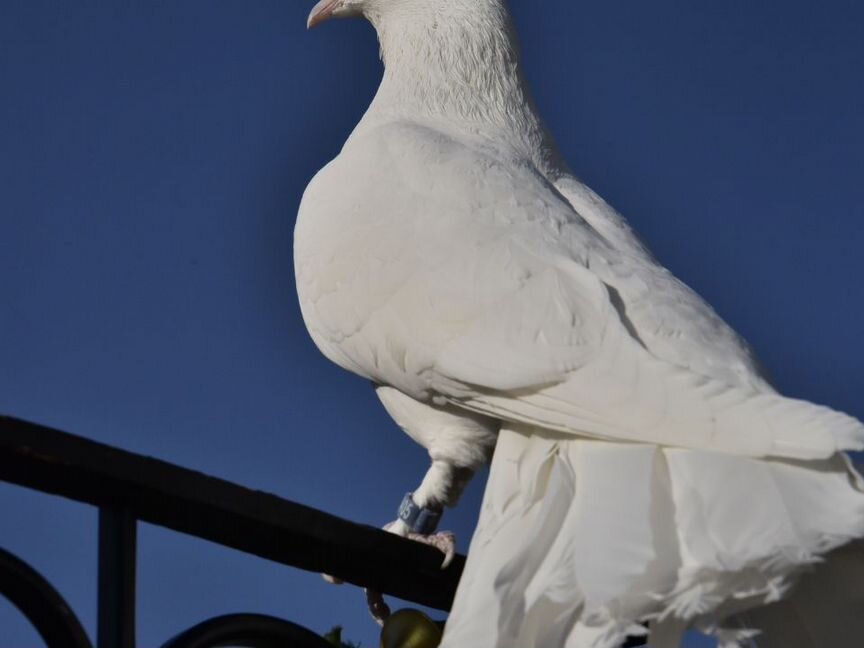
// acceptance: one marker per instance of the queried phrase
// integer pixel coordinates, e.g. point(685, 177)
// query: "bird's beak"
point(322, 11)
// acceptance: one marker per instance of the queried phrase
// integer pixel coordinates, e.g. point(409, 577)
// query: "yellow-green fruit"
point(410, 629)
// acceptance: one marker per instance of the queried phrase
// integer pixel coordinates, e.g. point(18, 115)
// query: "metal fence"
point(127, 487)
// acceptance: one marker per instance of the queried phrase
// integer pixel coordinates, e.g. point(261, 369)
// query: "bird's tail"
point(824, 610)
point(579, 540)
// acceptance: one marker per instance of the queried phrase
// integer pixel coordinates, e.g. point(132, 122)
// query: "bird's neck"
point(464, 75)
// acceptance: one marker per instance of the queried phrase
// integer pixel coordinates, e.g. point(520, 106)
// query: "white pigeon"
point(644, 468)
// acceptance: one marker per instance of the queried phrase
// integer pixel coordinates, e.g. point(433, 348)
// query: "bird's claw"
point(377, 607)
point(443, 541)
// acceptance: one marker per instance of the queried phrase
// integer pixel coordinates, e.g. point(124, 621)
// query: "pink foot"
point(443, 541)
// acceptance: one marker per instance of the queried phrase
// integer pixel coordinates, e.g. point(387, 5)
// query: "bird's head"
point(446, 59)
point(428, 31)
point(375, 10)
point(327, 9)
point(453, 61)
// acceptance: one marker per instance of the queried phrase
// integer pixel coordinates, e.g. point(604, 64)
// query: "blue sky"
point(152, 157)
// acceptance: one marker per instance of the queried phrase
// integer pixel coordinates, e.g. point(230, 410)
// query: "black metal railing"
point(127, 487)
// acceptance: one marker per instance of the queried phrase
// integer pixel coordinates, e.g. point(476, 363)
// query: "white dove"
point(644, 468)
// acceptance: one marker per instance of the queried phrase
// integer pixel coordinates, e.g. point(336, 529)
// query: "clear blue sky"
point(152, 157)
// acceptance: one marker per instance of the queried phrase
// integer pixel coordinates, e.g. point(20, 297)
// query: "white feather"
point(646, 469)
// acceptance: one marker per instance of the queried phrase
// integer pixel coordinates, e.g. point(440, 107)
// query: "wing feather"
point(480, 283)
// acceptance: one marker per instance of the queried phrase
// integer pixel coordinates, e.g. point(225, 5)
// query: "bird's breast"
point(356, 256)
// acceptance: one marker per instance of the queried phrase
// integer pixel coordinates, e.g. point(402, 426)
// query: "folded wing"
point(486, 287)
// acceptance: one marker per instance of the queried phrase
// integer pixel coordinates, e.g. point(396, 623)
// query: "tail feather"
point(579, 540)
point(824, 610)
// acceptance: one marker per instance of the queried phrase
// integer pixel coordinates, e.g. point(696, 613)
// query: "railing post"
point(117, 548)
point(190, 502)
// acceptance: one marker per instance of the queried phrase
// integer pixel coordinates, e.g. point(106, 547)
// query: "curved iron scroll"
point(43, 606)
point(249, 630)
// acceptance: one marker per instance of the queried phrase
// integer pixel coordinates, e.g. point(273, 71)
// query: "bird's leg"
point(418, 519)
point(459, 442)
point(421, 510)
point(441, 488)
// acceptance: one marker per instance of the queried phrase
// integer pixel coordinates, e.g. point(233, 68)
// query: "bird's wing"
point(583, 372)
point(672, 321)
point(496, 301)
